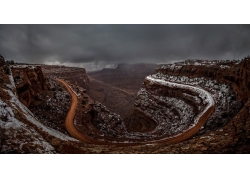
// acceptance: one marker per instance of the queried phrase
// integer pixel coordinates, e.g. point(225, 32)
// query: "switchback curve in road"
point(203, 116)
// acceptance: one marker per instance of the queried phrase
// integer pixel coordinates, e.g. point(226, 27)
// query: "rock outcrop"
point(2, 60)
point(74, 75)
point(29, 81)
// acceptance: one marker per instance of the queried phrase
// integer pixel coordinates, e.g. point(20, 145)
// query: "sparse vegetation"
point(67, 96)
point(17, 77)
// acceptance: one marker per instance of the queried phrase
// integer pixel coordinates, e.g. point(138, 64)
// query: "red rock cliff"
point(29, 81)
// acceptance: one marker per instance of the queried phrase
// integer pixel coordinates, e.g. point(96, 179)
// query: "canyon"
point(194, 106)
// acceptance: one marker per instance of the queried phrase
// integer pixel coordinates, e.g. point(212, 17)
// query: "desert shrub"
point(54, 95)
point(233, 97)
point(224, 115)
point(36, 97)
point(83, 102)
point(17, 77)
point(67, 96)
point(47, 107)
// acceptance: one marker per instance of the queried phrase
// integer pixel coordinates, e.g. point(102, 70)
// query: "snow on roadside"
point(78, 95)
point(30, 117)
point(202, 93)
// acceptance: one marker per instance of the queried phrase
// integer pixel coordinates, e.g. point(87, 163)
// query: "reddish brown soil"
point(69, 121)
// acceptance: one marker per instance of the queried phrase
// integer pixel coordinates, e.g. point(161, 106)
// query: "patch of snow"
point(30, 117)
point(12, 85)
point(224, 66)
point(78, 95)
point(6, 111)
point(13, 123)
point(23, 66)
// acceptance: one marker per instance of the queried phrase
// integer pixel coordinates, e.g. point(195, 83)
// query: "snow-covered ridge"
point(13, 123)
point(30, 116)
point(204, 95)
point(25, 66)
point(12, 85)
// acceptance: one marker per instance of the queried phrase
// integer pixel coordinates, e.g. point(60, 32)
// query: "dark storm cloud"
point(107, 44)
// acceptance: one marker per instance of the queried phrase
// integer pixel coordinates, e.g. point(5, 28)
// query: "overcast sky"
point(98, 46)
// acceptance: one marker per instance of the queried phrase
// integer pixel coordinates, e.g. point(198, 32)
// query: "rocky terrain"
point(74, 75)
point(47, 99)
point(195, 106)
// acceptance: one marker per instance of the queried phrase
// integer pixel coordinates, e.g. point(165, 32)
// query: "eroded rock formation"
point(29, 81)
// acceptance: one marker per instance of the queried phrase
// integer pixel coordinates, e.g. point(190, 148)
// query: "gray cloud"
point(101, 45)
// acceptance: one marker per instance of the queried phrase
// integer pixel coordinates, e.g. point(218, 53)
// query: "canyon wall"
point(29, 81)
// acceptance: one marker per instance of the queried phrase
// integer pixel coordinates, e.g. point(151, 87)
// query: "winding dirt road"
point(69, 120)
point(70, 127)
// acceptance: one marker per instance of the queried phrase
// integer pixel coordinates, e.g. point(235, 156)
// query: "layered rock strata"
point(74, 75)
